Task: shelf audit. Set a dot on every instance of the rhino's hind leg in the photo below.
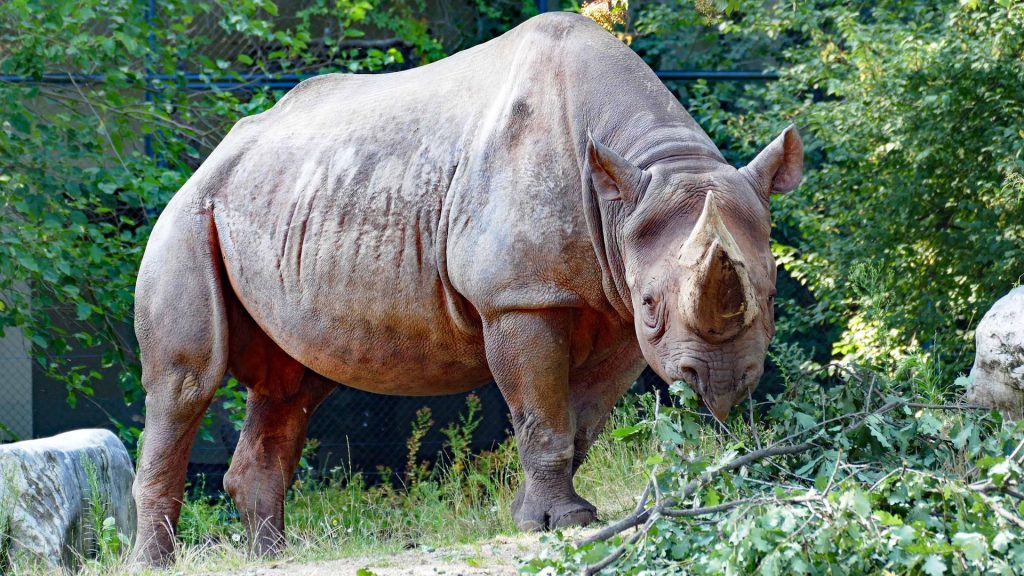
(529, 357)
(282, 396)
(181, 326)
(266, 457)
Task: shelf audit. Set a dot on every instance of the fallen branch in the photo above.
(646, 516)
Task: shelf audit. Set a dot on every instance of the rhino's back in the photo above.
(330, 234)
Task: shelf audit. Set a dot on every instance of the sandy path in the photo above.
(495, 557)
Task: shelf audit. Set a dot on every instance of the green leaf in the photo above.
(929, 424)
(875, 423)
(960, 440)
(83, 311)
(654, 459)
(626, 431)
(856, 501)
(973, 545)
(1002, 541)
(887, 519)
(805, 420)
(934, 566)
(711, 497)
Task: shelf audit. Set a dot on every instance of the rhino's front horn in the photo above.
(718, 302)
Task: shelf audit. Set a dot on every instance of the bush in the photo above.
(88, 161)
(908, 225)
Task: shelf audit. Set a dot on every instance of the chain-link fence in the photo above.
(359, 431)
(15, 386)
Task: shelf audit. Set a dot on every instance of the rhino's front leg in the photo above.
(528, 353)
(596, 389)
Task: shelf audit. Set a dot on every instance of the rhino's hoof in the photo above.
(145, 558)
(578, 517)
(534, 515)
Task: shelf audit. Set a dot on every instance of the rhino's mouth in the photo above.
(719, 403)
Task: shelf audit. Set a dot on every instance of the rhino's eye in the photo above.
(653, 317)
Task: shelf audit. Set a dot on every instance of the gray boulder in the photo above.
(997, 378)
(56, 493)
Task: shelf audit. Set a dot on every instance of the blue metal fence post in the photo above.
(150, 14)
(542, 6)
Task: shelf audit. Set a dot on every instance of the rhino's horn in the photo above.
(718, 301)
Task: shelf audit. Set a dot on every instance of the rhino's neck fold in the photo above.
(604, 222)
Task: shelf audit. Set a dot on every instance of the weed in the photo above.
(9, 494)
(416, 471)
(108, 543)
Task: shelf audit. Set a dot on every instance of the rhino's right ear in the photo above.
(611, 175)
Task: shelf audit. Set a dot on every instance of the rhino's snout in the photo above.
(719, 393)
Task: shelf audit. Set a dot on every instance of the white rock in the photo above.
(997, 378)
(45, 497)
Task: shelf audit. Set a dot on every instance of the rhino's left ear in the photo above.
(779, 167)
(613, 177)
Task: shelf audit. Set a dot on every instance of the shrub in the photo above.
(909, 222)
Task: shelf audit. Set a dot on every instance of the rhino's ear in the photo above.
(611, 175)
(779, 167)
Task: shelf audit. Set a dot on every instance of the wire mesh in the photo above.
(358, 432)
(15, 387)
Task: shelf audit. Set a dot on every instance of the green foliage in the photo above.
(459, 435)
(415, 471)
(108, 543)
(9, 494)
(78, 193)
(884, 482)
(908, 223)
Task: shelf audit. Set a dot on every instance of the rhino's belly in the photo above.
(358, 312)
(384, 353)
(333, 253)
(366, 331)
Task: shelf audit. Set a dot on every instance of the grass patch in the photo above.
(460, 498)
(8, 496)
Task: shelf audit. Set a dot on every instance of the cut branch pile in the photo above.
(652, 505)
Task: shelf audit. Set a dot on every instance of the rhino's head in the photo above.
(697, 262)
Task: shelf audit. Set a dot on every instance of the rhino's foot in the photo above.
(533, 513)
(151, 552)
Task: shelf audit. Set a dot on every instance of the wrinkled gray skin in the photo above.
(538, 210)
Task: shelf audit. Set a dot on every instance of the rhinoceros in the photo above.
(538, 210)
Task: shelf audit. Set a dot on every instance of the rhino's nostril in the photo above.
(750, 375)
(691, 376)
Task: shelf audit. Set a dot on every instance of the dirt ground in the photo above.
(495, 557)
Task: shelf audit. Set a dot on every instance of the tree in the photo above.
(133, 101)
(908, 224)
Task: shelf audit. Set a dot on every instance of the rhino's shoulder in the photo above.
(557, 29)
(559, 23)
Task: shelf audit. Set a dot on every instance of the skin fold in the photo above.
(538, 210)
